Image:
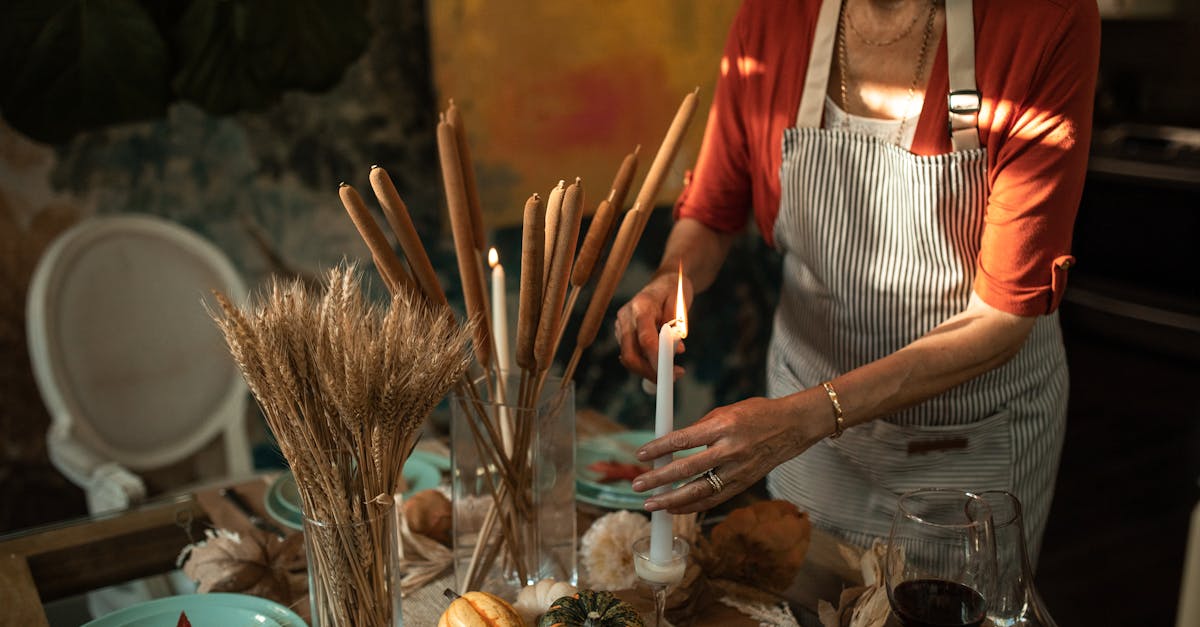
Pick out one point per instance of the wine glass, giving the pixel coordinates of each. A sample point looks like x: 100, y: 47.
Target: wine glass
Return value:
x: 659, y: 575
x: 940, y: 567
x: 1016, y: 602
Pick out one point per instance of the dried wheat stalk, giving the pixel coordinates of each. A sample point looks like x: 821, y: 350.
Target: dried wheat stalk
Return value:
x: 345, y: 385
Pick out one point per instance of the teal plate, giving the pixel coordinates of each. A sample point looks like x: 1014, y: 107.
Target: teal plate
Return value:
x: 619, y: 447
x: 437, y: 460
x: 283, y: 498
x: 214, y: 608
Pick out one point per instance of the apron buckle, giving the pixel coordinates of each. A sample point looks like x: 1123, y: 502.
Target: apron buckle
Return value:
x: 964, y: 101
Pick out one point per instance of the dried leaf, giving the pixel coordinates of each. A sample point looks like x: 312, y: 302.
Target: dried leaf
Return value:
x: 254, y: 563
x: 871, y: 609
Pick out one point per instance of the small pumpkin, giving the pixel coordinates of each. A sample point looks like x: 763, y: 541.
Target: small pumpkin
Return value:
x: 533, y: 600
x: 430, y: 514
x: 480, y: 609
x: 588, y: 608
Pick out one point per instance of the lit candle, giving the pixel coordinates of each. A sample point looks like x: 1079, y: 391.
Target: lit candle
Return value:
x: 500, y: 336
x: 499, y: 312
x: 664, y: 419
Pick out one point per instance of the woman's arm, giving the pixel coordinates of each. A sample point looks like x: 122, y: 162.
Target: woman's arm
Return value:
x: 701, y: 250
x: 746, y: 440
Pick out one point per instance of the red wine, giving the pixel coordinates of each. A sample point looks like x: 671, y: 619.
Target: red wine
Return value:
x: 937, y: 603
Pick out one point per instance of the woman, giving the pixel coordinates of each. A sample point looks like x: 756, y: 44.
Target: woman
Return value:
x: 919, y: 165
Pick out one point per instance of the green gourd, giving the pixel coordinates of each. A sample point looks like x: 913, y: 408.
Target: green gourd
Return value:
x: 588, y: 608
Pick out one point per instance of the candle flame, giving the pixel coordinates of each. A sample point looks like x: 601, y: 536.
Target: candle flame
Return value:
x: 493, y: 257
x: 681, y: 323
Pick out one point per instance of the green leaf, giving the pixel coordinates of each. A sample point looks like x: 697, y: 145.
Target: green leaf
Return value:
x: 79, y: 64
x: 243, y: 54
x: 214, y: 45
x: 306, y: 44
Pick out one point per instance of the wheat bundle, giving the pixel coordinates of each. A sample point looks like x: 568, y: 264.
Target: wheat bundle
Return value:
x: 345, y: 385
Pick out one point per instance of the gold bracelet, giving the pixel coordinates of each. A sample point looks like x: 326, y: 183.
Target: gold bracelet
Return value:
x: 839, y: 420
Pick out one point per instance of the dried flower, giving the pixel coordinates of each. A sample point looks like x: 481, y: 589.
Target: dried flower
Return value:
x: 606, y: 549
x: 761, y: 545
x: 860, y: 606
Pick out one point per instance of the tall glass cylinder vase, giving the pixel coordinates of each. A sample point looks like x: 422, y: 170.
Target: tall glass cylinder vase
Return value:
x: 354, y: 570
x: 513, y: 482
x: 1016, y: 602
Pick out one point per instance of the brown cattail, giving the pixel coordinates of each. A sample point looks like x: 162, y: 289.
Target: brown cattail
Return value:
x: 634, y: 223
x: 454, y: 119
x: 603, y: 220
x: 624, y: 178
x: 593, y: 243
x: 464, y: 245
x: 553, y: 212
x: 614, y: 268
x: 532, y: 259
x: 559, y: 276
x: 666, y: 153
x: 390, y: 267
x: 397, y: 216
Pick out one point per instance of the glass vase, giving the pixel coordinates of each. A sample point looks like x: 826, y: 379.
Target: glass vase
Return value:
x: 354, y: 569
x: 1016, y: 602
x: 513, y: 483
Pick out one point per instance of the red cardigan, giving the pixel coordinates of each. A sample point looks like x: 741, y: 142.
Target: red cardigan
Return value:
x: 1035, y: 62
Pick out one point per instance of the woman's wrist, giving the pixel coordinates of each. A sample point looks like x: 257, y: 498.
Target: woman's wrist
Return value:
x: 811, y: 416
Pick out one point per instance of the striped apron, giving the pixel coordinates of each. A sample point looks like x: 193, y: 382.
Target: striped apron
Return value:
x: 879, y: 248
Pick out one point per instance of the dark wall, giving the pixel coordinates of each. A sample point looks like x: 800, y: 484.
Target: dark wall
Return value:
x: 1150, y: 70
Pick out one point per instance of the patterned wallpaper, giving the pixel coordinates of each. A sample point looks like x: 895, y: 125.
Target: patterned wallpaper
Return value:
x: 271, y: 177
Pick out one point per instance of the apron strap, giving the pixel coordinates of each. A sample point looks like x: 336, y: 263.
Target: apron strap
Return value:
x: 816, y: 82
x: 964, y: 99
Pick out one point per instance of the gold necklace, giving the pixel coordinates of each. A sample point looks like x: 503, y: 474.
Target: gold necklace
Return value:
x: 844, y: 70
x: 882, y: 44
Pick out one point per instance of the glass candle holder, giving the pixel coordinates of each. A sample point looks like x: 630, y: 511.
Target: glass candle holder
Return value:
x: 660, y: 575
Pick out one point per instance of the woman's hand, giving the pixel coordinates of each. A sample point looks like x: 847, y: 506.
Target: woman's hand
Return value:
x: 745, y: 441
x: 639, y: 321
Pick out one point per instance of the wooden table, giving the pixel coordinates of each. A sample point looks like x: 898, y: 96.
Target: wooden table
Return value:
x: 62, y: 560
x: 71, y: 558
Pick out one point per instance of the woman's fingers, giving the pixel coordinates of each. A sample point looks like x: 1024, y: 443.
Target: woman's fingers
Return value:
x: 698, y: 495
x: 677, y: 470
x: 699, y: 434
x: 745, y: 441
x: 645, y: 321
x: 637, y: 327
x: 631, y: 356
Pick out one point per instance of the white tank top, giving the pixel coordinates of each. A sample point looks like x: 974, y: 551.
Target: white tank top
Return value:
x: 883, y: 130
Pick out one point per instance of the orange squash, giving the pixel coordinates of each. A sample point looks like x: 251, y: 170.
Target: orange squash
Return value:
x: 480, y: 609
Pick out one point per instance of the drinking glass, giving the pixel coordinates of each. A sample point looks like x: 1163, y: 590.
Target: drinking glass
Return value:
x: 940, y: 567
x: 1016, y: 602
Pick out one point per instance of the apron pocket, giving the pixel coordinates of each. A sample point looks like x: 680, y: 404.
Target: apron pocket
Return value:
x: 896, y: 459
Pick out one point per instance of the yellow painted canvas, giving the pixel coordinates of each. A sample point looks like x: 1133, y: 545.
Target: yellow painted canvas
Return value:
x: 556, y: 90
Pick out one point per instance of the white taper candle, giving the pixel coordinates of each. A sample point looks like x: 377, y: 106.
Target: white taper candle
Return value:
x: 500, y: 313
x: 664, y: 422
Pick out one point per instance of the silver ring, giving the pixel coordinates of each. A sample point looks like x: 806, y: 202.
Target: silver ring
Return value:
x: 714, y: 481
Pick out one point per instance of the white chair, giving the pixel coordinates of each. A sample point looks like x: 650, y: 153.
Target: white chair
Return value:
x: 133, y: 370
x: 131, y: 367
